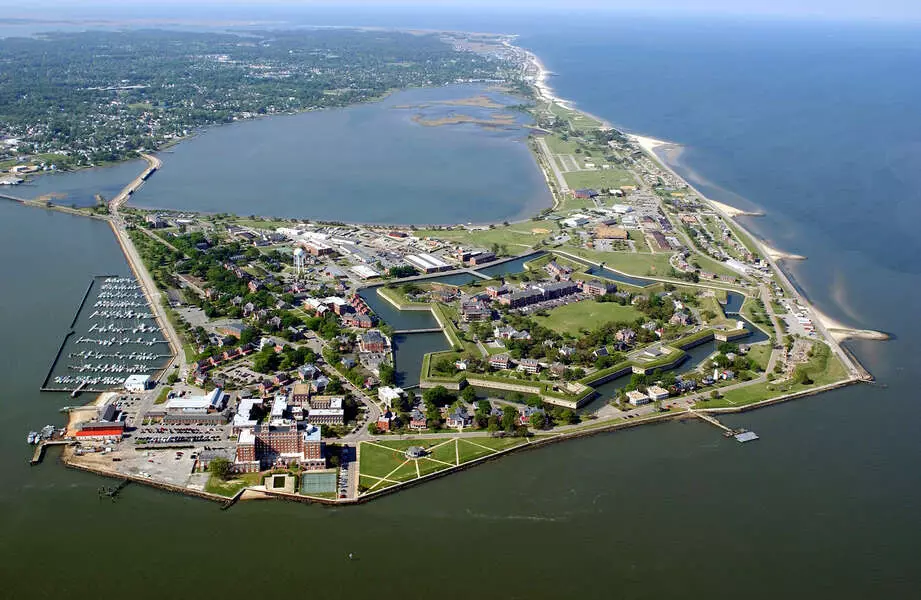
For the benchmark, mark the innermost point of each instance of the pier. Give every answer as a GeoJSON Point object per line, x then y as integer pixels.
{"type": "Point", "coordinates": [741, 435]}
{"type": "Point", "coordinates": [39, 453]}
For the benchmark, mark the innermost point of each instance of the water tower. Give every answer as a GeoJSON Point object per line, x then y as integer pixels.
{"type": "Point", "coordinates": [300, 261]}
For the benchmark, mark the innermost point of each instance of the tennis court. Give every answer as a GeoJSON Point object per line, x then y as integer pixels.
{"type": "Point", "coordinates": [318, 483]}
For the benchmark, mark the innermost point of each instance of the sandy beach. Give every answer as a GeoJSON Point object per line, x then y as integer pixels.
{"type": "Point", "coordinates": [649, 144]}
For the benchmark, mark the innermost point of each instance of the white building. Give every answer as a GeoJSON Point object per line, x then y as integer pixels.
{"type": "Point", "coordinates": [196, 404]}
{"type": "Point", "coordinates": [137, 383]}
{"type": "Point", "coordinates": [389, 394]}
{"type": "Point", "coordinates": [575, 221]}
{"type": "Point", "coordinates": [637, 398]}
{"type": "Point", "coordinates": [657, 393]}
{"type": "Point", "coordinates": [364, 271]}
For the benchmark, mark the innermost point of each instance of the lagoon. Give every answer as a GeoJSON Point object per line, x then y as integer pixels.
{"type": "Point", "coordinates": [369, 163]}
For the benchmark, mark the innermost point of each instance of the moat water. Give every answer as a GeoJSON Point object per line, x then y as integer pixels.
{"type": "Point", "coordinates": [827, 504]}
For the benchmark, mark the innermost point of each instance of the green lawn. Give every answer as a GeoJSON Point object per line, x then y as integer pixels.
{"type": "Point", "coordinates": [639, 240]}
{"type": "Point", "coordinates": [515, 237]}
{"type": "Point", "coordinates": [499, 443]}
{"type": "Point", "coordinates": [599, 179]}
{"type": "Point", "coordinates": [760, 353]}
{"type": "Point", "coordinates": [469, 450]}
{"type": "Point", "coordinates": [230, 487]}
{"type": "Point", "coordinates": [632, 263]}
{"type": "Point", "coordinates": [161, 397]}
{"type": "Point", "coordinates": [377, 461]}
{"type": "Point", "coordinates": [445, 453]}
{"type": "Point", "coordinates": [588, 314]}
{"type": "Point", "coordinates": [377, 484]}
{"type": "Point", "coordinates": [708, 264]}
{"type": "Point", "coordinates": [405, 473]}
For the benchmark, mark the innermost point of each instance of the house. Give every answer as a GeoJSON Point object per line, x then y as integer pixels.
{"type": "Point", "coordinates": [657, 393]}
{"type": "Point", "coordinates": [504, 332]}
{"type": "Point", "coordinates": [319, 384]}
{"type": "Point", "coordinates": [308, 372]}
{"type": "Point", "coordinates": [372, 341]}
{"type": "Point", "coordinates": [558, 368]}
{"type": "Point", "coordinates": [627, 336]}
{"type": "Point", "coordinates": [637, 398]}
{"type": "Point", "coordinates": [418, 420]}
{"type": "Point", "coordinates": [499, 361]}
{"type": "Point", "coordinates": [359, 320]}
{"type": "Point", "coordinates": [567, 350]}
{"type": "Point", "coordinates": [680, 318]}
{"type": "Point", "coordinates": [602, 351]}
{"type": "Point", "coordinates": [556, 270]}
{"type": "Point", "coordinates": [524, 416]}
{"type": "Point", "coordinates": [529, 365]}
{"type": "Point", "coordinates": [458, 418]}
{"type": "Point", "coordinates": [386, 421]}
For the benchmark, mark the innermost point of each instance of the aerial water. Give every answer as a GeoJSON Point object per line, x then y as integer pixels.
{"type": "Point", "coordinates": [814, 124]}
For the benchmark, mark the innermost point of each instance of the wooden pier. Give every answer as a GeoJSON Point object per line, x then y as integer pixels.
{"type": "Point", "coordinates": [741, 435]}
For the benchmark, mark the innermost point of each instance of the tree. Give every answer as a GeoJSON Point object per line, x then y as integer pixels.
{"type": "Point", "coordinates": [172, 378]}
{"type": "Point", "coordinates": [387, 374]}
{"type": "Point", "coordinates": [373, 429]}
{"type": "Point", "coordinates": [221, 467]}
{"type": "Point", "coordinates": [437, 396]}
{"type": "Point", "coordinates": [468, 394]}
{"type": "Point", "coordinates": [509, 418]}
{"type": "Point", "coordinates": [538, 420]}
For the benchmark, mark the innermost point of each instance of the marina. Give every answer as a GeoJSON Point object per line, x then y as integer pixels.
{"type": "Point", "coordinates": [113, 314]}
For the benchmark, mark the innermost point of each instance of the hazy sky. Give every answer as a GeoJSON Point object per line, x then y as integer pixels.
{"type": "Point", "coordinates": [834, 9]}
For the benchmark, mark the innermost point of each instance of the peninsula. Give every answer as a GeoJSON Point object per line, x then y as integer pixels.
{"type": "Point", "coordinates": [633, 299]}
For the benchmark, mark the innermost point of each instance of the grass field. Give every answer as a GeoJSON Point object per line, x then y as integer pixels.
{"type": "Point", "coordinates": [514, 237]}
{"type": "Point", "coordinates": [588, 315]}
{"type": "Point", "coordinates": [230, 487]}
{"type": "Point", "coordinates": [760, 353]}
{"type": "Point", "coordinates": [382, 463]}
{"type": "Point", "coordinates": [632, 263]}
{"type": "Point", "coordinates": [599, 179]}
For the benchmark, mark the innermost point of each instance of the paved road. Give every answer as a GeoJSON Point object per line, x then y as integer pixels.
{"type": "Point", "coordinates": [153, 294]}
{"type": "Point", "coordinates": [560, 180]}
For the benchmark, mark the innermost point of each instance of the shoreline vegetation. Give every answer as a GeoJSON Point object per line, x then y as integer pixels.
{"type": "Point", "coordinates": [832, 330]}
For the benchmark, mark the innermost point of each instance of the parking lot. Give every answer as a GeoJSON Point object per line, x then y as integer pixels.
{"type": "Point", "coordinates": [158, 434]}
{"type": "Point", "coordinates": [549, 304]}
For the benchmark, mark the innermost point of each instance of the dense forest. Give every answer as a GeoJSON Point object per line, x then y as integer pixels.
{"type": "Point", "coordinates": [89, 97]}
